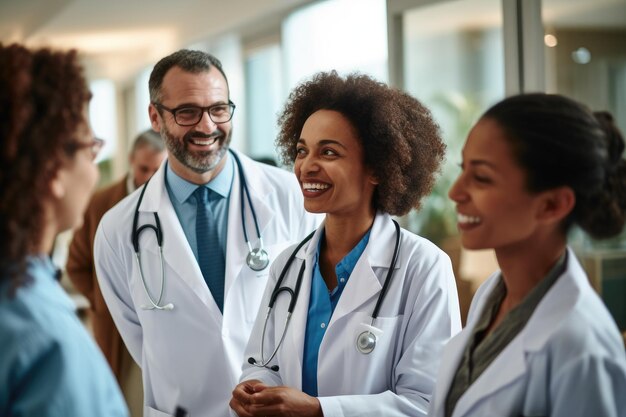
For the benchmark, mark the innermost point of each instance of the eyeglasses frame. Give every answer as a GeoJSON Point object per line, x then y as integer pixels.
{"type": "Point", "coordinates": [203, 109]}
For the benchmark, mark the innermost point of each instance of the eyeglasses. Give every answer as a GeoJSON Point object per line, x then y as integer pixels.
{"type": "Point", "coordinates": [95, 145]}
{"type": "Point", "coordinates": [191, 115]}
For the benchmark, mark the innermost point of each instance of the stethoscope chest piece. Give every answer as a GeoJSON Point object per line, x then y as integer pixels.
{"type": "Point", "coordinates": [367, 338]}
{"type": "Point", "coordinates": [258, 259]}
{"type": "Point", "coordinates": [366, 342]}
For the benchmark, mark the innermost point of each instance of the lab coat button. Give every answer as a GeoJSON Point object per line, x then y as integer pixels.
{"type": "Point", "coordinates": [323, 325]}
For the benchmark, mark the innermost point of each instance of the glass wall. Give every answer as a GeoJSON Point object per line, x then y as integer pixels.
{"type": "Point", "coordinates": [341, 35]}
{"type": "Point", "coordinates": [454, 64]}
{"type": "Point", "coordinates": [586, 60]}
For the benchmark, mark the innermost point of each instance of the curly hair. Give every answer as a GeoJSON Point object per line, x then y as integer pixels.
{"type": "Point", "coordinates": [560, 142]}
{"type": "Point", "coordinates": [43, 95]}
{"type": "Point", "coordinates": [401, 141]}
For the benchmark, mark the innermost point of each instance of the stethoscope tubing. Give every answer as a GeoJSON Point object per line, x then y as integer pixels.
{"type": "Point", "coordinates": [156, 227]}
{"type": "Point", "coordinates": [294, 295]}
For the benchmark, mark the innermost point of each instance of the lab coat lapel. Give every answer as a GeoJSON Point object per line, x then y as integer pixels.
{"type": "Point", "coordinates": [553, 308]}
{"type": "Point", "coordinates": [177, 253]}
{"type": "Point", "coordinates": [297, 328]}
{"type": "Point", "coordinates": [449, 364]}
{"type": "Point", "coordinates": [236, 247]}
{"type": "Point", "coordinates": [509, 366]}
{"type": "Point", "coordinates": [363, 283]}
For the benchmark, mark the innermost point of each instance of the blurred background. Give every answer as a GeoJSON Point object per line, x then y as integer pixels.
{"type": "Point", "coordinates": [456, 56]}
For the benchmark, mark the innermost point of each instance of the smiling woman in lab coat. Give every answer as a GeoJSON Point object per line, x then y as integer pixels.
{"type": "Point", "coordinates": [539, 341]}
{"type": "Point", "coordinates": [361, 151]}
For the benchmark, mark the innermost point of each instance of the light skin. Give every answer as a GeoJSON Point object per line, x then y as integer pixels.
{"type": "Point", "coordinates": [144, 162]}
{"type": "Point", "coordinates": [196, 153]}
{"type": "Point", "coordinates": [70, 191]}
{"type": "Point", "coordinates": [497, 211]}
{"type": "Point", "coordinates": [334, 180]}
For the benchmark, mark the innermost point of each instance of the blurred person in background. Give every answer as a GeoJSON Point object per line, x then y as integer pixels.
{"type": "Point", "coordinates": [147, 154]}
{"type": "Point", "coordinates": [49, 365]}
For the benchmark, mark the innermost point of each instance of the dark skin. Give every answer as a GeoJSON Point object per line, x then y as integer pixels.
{"type": "Point", "coordinates": [328, 153]}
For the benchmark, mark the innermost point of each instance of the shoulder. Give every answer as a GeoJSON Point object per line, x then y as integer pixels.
{"type": "Point", "coordinates": [421, 251]}
{"type": "Point", "coordinates": [588, 329]}
{"type": "Point", "coordinates": [258, 173]}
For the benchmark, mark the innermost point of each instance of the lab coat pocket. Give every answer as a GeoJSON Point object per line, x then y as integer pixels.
{"type": "Point", "coordinates": [372, 350]}
{"type": "Point", "coordinates": [254, 286]}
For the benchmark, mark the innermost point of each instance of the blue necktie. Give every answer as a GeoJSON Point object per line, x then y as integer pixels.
{"type": "Point", "coordinates": [210, 255]}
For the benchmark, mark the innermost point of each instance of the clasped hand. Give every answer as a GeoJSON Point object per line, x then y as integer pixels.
{"type": "Point", "coordinates": [254, 399]}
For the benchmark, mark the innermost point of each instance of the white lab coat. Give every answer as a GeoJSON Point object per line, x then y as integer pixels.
{"type": "Point", "coordinates": [419, 314]}
{"type": "Point", "coordinates": [568, 361]}
{"type": "Point", "coordinates": [191, 356]}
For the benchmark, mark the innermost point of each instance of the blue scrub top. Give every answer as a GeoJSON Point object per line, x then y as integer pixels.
{"type": "Point", "coordinates": [49, 364]}
{"type": "Point", "coordinates": [322, 303]}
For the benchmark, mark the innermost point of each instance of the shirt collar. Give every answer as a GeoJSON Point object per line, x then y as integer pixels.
{"type": "Point", "coordinates": [347, 264]}
{"type": "Point", "coordinates": [183, 189]}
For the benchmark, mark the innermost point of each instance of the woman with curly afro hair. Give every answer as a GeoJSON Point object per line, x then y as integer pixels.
{"type": "Point", "coordinates": [49, 365]}
{"type": "Point", "coordinates": [375, 303]}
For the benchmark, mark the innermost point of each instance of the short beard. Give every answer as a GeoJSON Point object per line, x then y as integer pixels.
{"type": "Point", "coordinates": [198, 162]}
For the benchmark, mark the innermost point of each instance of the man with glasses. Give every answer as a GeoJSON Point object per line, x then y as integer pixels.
{"type": "Point", "coordinates": [178, 260]}
{"type": "Point", "coordinates": [146, 155]}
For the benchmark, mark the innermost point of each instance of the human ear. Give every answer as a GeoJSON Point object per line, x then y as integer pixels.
{"type": "Point", "coordinates": [155, 118]}
{"type": "Point", "coordinates": [557, 204]}
{"type": "Point", "coordinates": [57, 185]}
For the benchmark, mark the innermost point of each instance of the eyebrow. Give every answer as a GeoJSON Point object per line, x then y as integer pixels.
{"type": "Point", "coordinates": [478, 162]}
{"type": "Point", "coordinates": [217, 103]}
{"type": "Point", "coordinates": [325, 142]}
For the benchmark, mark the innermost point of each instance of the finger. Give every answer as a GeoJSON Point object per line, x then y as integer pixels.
{"type": "Point", "coordinates": [242, 393]}
{"type": "Point", "coordinates": [239, 408]}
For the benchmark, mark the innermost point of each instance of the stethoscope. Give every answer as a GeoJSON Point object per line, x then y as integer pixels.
{"type": "Point", "coordinates": [365, 341]}
{"type": "Point", "coordinates": [257, 258]}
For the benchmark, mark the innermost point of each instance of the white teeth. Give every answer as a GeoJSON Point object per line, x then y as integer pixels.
{"type": "Point", "coordinates": [468, 219]}
{"type": "Point", "coordinates": [205, 141]}
{"type": "Point", "coordinates": [314, 186]}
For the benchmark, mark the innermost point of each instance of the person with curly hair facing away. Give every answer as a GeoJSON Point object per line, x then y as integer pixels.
{"type": "Point", "coordinates": [376, 303]}
{"type": "Point", "coordinates": [539, 341]}
{"type": "Point", "coordinates": [49, 365]}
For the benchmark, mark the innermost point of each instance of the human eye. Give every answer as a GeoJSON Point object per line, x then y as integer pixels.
{"type": "Point", "coordinates": [300, 151]}
{"type": "Point", "coordinates": [330, 152]}
{"type": "Point", "coordinates": [481, 178]}
{"type": "Point", "coordinates": [219, 109]}
{"type": "Point", "coordinates": [187, 113]}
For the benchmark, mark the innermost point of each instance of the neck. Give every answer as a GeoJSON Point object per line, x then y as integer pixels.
{"type": "Point", "coordinates": [524, 267]}
{"type": "Point", "coordinates": [343, 233]}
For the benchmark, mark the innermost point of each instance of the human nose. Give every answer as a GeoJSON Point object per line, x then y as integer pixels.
{"type": "Point", "coordinates": [206, 123]}
{"type": "Point", "coordinates": [307, 164]}
{"type": "Point", "coordinates": [457, 191]}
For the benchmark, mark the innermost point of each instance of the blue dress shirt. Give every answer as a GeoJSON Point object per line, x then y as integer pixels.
{"type": "Point", "coordinates": [322, 303]}
{"type": "Point", "coordinates": [181, 195]}
{"type": "Point", "coordinates": [49, 365]}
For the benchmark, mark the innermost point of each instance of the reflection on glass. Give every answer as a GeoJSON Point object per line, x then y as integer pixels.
{"type": "Point", "coordinates": [589, 65]}
{"type": "Point", "coordinates": [454, 64]}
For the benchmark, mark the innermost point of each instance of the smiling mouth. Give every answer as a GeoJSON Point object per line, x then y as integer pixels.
{"type": "Point", "coordinates": [203, 141]}
{"type": "Point", "coordinates": [465, 219]}
{"type": "Point", "coordinates": [314, 187]}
